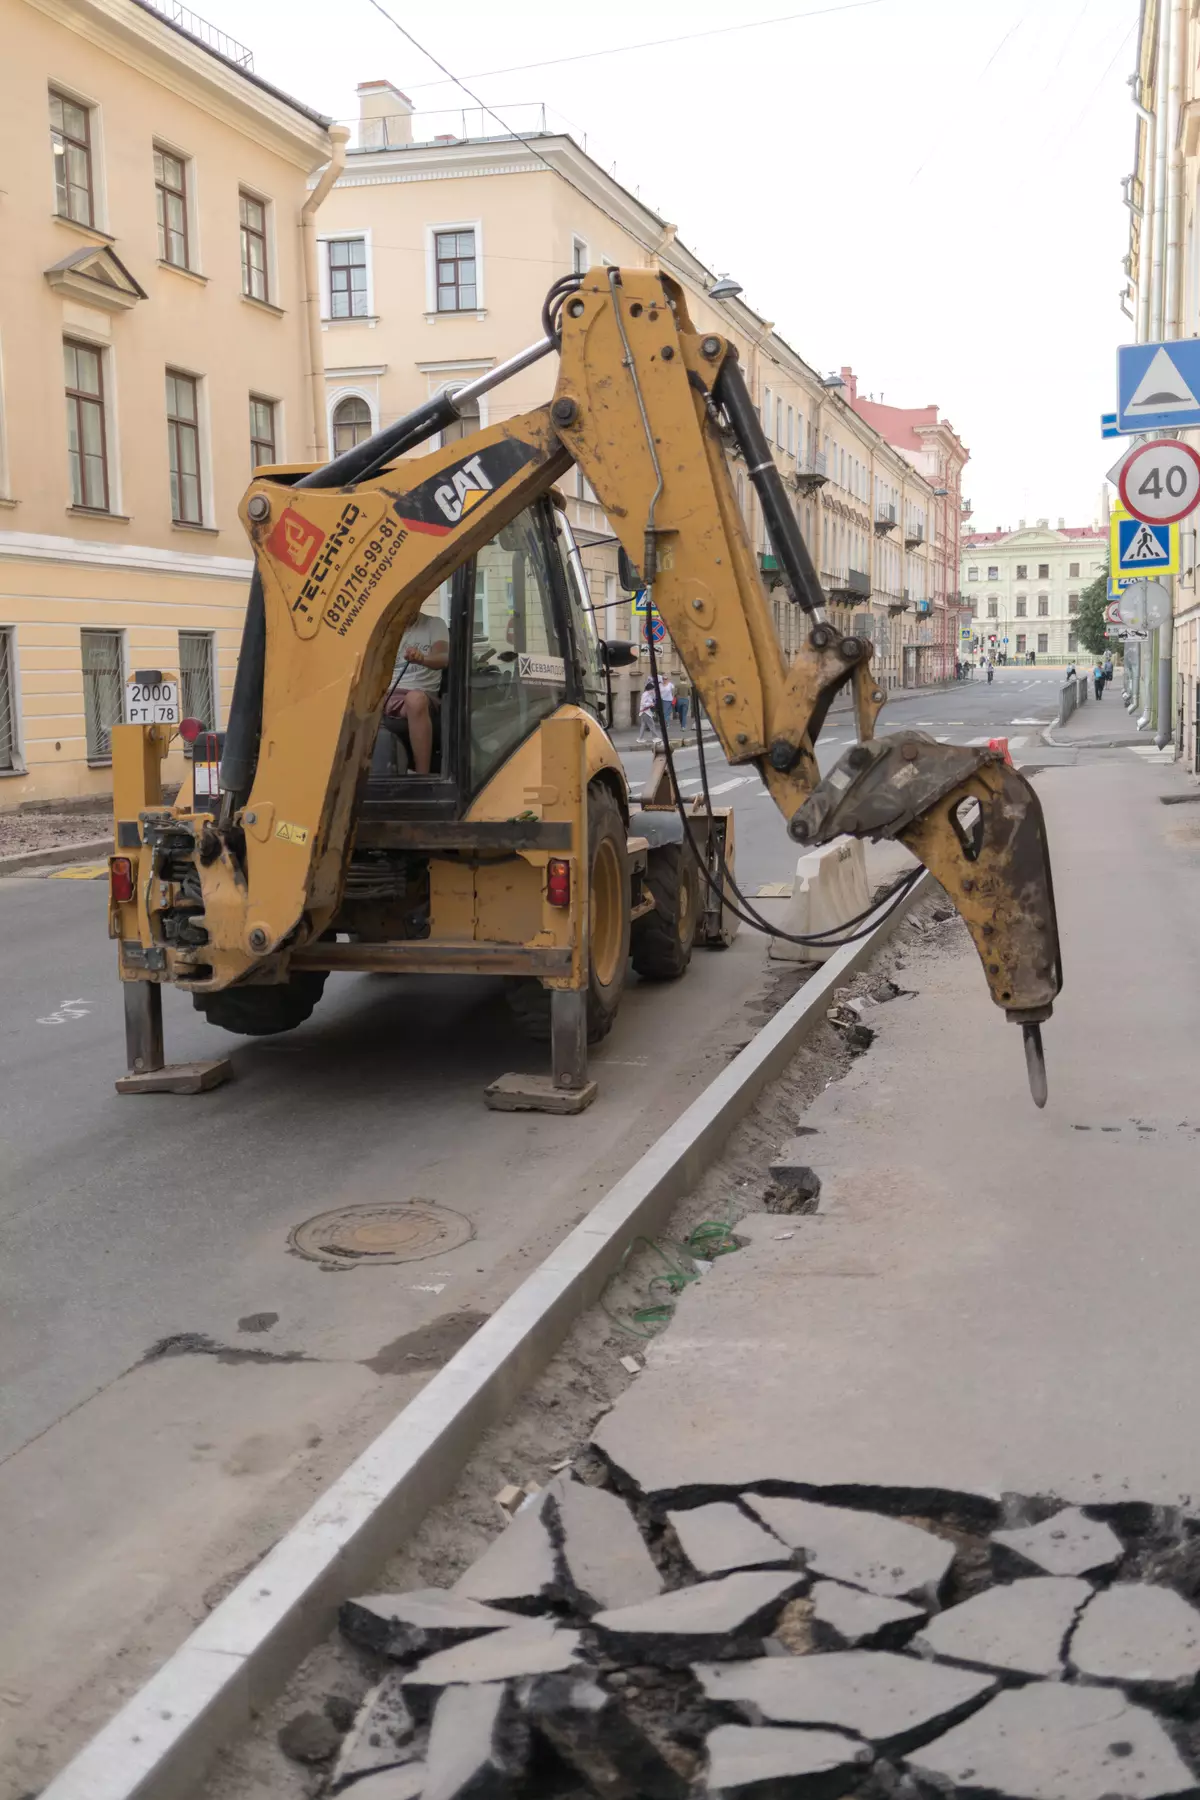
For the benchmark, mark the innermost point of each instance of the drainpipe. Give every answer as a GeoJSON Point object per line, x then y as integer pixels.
{"type": "Point", "coordinates": [1162, 80]}
{"type": "Point", "coordinates": [1144, 212]}
{"type": "Point", "coordinates": [339, 137]}
{"type": "Point", "coordinates": [1174, 37]}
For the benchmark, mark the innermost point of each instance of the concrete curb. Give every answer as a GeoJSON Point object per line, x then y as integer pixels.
{"type": "Point", "coordinates": [57, 853]}
{"type": "Point", "coordinates": [160, 1743]}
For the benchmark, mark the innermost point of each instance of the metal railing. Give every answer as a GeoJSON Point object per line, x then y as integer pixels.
{"type": "Point", "coordinates": [207, 34]}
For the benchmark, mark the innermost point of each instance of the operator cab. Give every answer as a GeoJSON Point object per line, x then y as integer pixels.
{"type": "Point", "coordinates": [523, 642]}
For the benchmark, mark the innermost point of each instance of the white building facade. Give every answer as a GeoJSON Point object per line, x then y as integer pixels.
{"type": "Point", "coordinates": [1024, 587]}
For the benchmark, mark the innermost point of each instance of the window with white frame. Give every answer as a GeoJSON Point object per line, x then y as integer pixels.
{"type": "Point", "coordinates": [766, 411]}
{"type": "Point", "coordinates": [779, 421]}
{"type": "Point", "coordinates": [351, 423]}
{"type": "Point", "coordinates": [972, 574]}
{"type": "Point", "coordinates": [346, 270]}
{"type": "Point", "coordinates": [8, 702]}
{"type": "Point", "coordinates": [455, 270]}
{"type": "Point", "coordinates": [171, 199]}
{"type": "Point", "coordinates": [197, 684]}
{"type": "Point", "coordinates": [103, 690]}
{"type": "Point", "coordinates": [580, 262]}
{"type": "Point", "coordinates": [183, 448]}
{"type": "Point", "coordinates": [256, 277]}
{"type": "Point", "coordinates": [263, 447]}
{"type": "Point", "coordinates": [71, 140]}
{"type": "Point", "coordinates": [87, 425]}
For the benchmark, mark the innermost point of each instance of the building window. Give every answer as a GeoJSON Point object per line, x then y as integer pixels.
{"type": "Point", "coordinates": [183, 442]}
{"type": "Point", "coordinates": [1022, 571]}
{"type": "Point", "coordinates": [1020, 606]}
{"type": "Point", "coordinates": [993, 609]}
{"type": "Point", "coordinates": [170, 193]}
{"type": "Point", "coordinates": [993, 572]}
{"type": "Point", "coordinates": [1043, 606]}
{"type": "Point", "coordinates": [253, 215]}
{"type": "Point", "coordinates": [791, 431]}
{"type": "Point", "coordinates": [197, 688]}
{"type": "Point", "coordinates": [972, 574]}
{"type": "Point", "coordinates": [579, 256]}
{"type": "Point", "coordinates": [779, 421]}
{"type": "Point", "coordinates": [71, 138]}
{"type": "Point", "coordinates": [1072, 603]}
{"type": "Point", "coordinates": [262, 435]}
{"type": "Point", "coordinates": [8, 703]}
{"type": "Point", "coordinates": [454, 256]}
{"type": "Point", "coordinates": [1043, 571]}
{"type": "Point", "coordinates": [102, 686]}
{"type": "Point", "coordinates": [1020, 643]}
{"type": "Point", "coordinates": [87, 449]}
{"type": "Point", "coordinates": [766, 411]}
{"type": "Point", "coordinates": [1073, 571]}
{"type": "Point", "coordinates": [347, 278]}
{"type": "Point", "coordinates": [1072, 642]}
{"type": "Point", "coordinates": [1043, 642]}
{"type": "Point", "coordinates": [351, 423]}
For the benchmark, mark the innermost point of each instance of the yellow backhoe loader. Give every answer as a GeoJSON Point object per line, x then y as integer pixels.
{"type": "Point", "coordinates": [311, 846]}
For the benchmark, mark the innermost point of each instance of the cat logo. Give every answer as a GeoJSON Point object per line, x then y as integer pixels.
{"type": "Point", "coordinates": [468, 486]}
{"type": "Point", "coordinates": [295, 542]}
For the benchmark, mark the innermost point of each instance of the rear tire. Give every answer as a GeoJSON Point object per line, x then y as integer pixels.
{"type": "Point", "coordinates": [263, 1011]}
{"type": "Point", "coordinates": [608, 930]}
{"type": "Point", "coordinates": [661, 941]}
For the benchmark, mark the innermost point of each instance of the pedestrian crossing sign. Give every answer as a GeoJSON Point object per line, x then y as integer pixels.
{"type": "Point", "coordinates": [1139, 549]}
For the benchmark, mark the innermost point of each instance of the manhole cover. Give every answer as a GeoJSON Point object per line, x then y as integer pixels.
{"type": "Point", "coordinates": [398, 1231]}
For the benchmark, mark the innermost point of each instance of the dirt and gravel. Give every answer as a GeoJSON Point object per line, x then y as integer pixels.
{"type": "Point", "coordinates": [24, 831]}
{"type": "Point", "coordinates": [550, 1428]}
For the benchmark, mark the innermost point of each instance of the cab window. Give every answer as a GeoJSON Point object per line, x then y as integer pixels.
{"type": "Point", "coordinates": [518, 670]}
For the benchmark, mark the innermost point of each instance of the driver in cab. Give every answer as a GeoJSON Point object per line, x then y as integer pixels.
{"type": "Point", "coordinates": [424, 653]}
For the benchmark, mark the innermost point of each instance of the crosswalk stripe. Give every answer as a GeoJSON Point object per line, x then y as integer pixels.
{"type": "Point", "coordinates": [692, 781]}
{"type": "Point", "coordinates": [723, 787]}
{"type": "Point", "coordinates": [974, 743]}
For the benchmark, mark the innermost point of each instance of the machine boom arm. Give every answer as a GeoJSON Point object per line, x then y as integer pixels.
{"type": "Point", "coordinates": [646, 406]}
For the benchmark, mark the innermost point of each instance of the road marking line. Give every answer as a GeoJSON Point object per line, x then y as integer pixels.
{"type": "Point", "coordinates": [977, 743]}
{"type": "Point", "coordinates": [79, 872]}
{"type": "Point", "coordinates": [942, 740]}
{"type": "Point", "coordinates": [774, 890]}
{"type": "Point", "coordinates": [692, 781]}
{"type": "Point", "coordinates": [723, 787]}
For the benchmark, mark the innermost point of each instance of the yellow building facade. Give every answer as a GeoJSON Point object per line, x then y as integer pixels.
{"type": "Point", "coordinates": [435, 257]}
{"type": "Point", "coordinates": [154, 346]}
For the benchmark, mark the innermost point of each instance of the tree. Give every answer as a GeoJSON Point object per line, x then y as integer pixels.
{"type": "Point", "coordinates": [1089, 625]}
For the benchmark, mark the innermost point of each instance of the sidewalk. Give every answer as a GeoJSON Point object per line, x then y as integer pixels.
{"type": "Point", "coordinates": [1100, 724]}
{"type": "Point", "coordinates": [990, 1300]}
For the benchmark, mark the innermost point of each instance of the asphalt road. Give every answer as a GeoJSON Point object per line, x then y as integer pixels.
{"type": "Point", "coordinates": [176, 1383]}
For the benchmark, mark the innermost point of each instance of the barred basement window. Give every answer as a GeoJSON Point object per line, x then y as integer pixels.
{"type": "Point", "coordinates": [196, 677]}
{"type": "Point", "coordinates": [8, 703]}
{"type": "Point", "coordinates": [102, 696]}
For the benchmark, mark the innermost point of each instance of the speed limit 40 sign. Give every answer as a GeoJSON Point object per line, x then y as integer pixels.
{"type": "Point", "coordinates": [1160, 481]}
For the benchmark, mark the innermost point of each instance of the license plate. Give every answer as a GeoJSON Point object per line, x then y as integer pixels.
{"type": "Point", "coordinates": [153, 703]}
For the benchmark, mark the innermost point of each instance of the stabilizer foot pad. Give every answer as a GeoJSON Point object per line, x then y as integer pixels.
{"type": "Point", "coordinates": [178, 1078]}
{"type": "Point", "coordinates": [537, 1093]}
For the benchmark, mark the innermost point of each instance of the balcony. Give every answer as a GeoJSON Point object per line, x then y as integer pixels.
{"type": "Point", "coordinates": [810, 472]}
{"type": "Point", "coordinates": [885, 520]}
{"type": "Point", "coordinates": [768, 568]}
{"type": "Point", "coordinates": [917, 537]}
{"type": "Point", "coordinates": [848, 584]}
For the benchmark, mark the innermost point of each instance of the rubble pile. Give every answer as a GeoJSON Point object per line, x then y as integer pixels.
{"type": "Point", "coordinates": [768, 1645]}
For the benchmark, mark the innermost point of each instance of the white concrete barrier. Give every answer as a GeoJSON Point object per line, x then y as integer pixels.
{"type": "Point", "coordinates": [830, 888]}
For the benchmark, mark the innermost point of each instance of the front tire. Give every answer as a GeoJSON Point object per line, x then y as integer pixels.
{"type": "Point", "coordinates": [608, 929]}
{"type": "Point", "coordinates": [661, 941]}
{"type": "Point", "coordinates": [264, 1011]}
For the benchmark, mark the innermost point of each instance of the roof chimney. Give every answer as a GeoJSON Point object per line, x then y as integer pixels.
{"type": "Point", "coordinates": [851, 388]}
{"type": "Point", "coordinates": [1043, 524]}
{"type": "Point", "coordinates": [1020, 524]}
{"type": "Point", "coordinates": [384, 116]}
{"type": "Point", "coordinates": [1061, 523]}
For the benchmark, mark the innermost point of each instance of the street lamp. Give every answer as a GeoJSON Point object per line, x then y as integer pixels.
{"type": "Point", "coordinates": [724, 289]}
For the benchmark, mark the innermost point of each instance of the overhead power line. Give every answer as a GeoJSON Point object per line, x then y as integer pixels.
{"type": "Point", "coordinates": [682, 37]}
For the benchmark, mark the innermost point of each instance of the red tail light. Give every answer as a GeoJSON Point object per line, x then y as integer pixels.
{"type": "Point", "coordinates": [120, 879]}
{"type": "Point", "coordinates": [190, 729]}
{"type": "Point", "coordinates": [558, 881]}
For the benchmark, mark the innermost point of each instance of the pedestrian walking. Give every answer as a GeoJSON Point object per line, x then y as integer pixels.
{"type": "Point", "coordinates": [647, 706]}
{"type": "Point", "coordinates": [683, 700]}
{"type": "Point", "coordinates": [1108, 667]}
{"type": "Point", "coordinates": [1098, 679]}
{"type": "Point", "coordinates": [991, 671]}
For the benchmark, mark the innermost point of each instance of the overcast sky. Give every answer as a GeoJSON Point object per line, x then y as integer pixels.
{"type": "Point", "coordinates": [927, 190]}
